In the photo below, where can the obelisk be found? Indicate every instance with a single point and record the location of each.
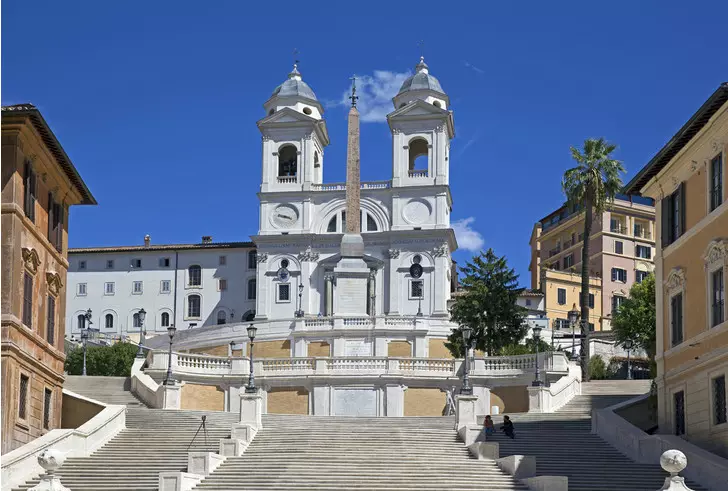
(351, 271)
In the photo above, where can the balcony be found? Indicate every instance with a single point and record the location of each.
(555, 251)
(642, 233)
(618, 229)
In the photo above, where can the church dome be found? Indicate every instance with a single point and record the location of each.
(421, 80)
(294, 87)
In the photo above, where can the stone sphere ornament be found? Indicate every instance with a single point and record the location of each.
(673, 461)
(50, 459)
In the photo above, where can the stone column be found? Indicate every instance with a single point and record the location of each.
(394, 395)
(251, 410)
(394, 281)
(262, 286)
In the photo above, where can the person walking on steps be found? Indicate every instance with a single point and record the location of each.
(508, 427)
(489, 426)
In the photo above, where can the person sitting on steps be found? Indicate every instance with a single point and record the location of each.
(508, 427)
(489, 426)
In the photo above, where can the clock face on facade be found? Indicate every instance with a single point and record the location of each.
(285, 216)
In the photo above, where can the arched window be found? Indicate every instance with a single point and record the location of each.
(251, 289)
(371, 224)
(109, 321)
(81, 321)
(418, 150)
(249, 316)
(136, 321)
(316, 162)
(332, 224)
(221, 317)
(193, 306)
(287, 161)
(195, 275)
(436, 104)
(165, 319)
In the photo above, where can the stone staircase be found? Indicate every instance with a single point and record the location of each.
(327, 453)
(109, 390)
(154, 441)
(563, 444)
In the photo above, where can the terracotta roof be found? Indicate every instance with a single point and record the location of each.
(54, 146)
(681, 138)
(531, 293)
(162, 247)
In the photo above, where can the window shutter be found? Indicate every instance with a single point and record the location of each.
(614, 274)
(666, 211)
(681, 197)
(51, 218)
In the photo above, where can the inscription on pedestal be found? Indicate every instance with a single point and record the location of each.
(351, 296)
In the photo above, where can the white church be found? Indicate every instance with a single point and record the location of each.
(351, 282)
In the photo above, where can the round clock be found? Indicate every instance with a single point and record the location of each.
(285, 216)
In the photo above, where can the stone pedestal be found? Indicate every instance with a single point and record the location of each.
(539, 400)
(245, 432)
(518, 466)
(251, 410)
(465, 410)
(203, 463)
(171, 396)
(50, 460)
(394, 400)
(352, 277)
(178, 481)
(232, 447)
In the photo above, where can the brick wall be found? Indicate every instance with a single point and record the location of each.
(288, 400)
(202, 397)
(424, 402)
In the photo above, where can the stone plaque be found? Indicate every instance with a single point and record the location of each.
(351, 296)
(358, 347)
(355, 402)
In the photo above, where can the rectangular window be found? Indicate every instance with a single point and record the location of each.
(568, 261)
(641, 230)
(163, 262)
(51, 324)
(719, 401)
(284, 292)
(718, 297)
(222, 260)
(673, 216)
(28, 300)
(591, 300)
(82, 265)
(617, 227)
(416, 289)
(679, 405)
(137, 287)
(47, 409)
(645, 252)
(109, 288)
(716, 182)
(193, 306)
(251, 289)
(29, 184)
(23, 397)
(619, 247)
(222, 284)
(109, 264)
(641, 275)
(561, 296)
(136, 263)
(528, 302)
(252, 259)
(676, 310)
(166, 286)
(617, 301)
(619, 274)
(81, 291)
(591, 327)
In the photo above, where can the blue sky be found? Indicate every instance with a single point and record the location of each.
(156, 102)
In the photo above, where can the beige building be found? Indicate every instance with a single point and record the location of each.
(39, 184)
(687, 178)
(621, 253)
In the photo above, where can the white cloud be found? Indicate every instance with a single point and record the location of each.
(375, 94)
(473, 67)
(467, 238)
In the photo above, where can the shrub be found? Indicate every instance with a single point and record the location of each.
(111, 361)
(597, 368)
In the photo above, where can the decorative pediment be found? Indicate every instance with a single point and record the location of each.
(717, 252)
(54, 283)
(676, 279)
(287, 115)
(418, 108)
(31, 260)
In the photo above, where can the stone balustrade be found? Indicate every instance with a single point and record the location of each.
(341, 186)
(377, 322)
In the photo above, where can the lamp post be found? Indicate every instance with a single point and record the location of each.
(84, 337)
(299, 312)
(628, 346)
(232, 345)
(169, 380)
(251, 388)
(466, 389)
(142, 316)
(537, 338)
(573, 319)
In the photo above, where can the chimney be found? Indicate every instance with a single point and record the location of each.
(147, 240)
(207, 239)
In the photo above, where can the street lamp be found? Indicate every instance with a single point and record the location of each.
(466, 389)
(573, 319)
(84, 336)
(232, 345)
(142, 316)
(536, 338)
(251, 388)
(169, 380)
(299, 312)
(628, 346)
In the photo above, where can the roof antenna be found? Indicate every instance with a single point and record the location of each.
(353, 96)
(296, 61)
(421, 45)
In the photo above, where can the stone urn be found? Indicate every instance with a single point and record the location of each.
(674, 462)
(50, 459)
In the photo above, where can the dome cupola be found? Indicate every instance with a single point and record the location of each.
(421, 86)
(296, 94)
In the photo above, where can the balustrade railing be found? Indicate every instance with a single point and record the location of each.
(358, 321)
(341, 186)
(418, 173)
(318, 322)
(518, 362)
(399, 321)
(356, 363)
(427, 365)
(287, 179)
(286, 364)
(202, 362)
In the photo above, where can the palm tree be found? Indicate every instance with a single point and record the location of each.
(591, 185)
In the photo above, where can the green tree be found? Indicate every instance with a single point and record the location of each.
(635, 319)
(597, 368)
(111, 361)
(529, 347)
(488, 306)
(591, 185)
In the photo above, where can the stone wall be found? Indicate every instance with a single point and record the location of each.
(319, 348)
(438, 349)
(510, 399)
(424, 402)
(400, 348)
(288, 400)
(76, 411)
(202, 397)
(273, 349)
